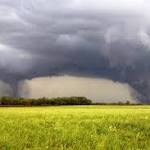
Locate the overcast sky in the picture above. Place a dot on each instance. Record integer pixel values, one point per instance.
(87, 38)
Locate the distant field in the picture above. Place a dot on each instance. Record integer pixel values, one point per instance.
(75, 128)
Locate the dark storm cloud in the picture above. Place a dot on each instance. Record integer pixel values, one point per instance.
(80, 37)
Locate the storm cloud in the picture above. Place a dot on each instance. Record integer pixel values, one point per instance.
(95, 38)
(99, 90)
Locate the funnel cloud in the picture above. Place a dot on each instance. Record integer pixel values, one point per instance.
(82, 38)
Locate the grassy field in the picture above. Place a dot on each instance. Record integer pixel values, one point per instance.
(75, 128)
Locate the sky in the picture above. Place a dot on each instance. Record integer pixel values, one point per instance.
(82, 39)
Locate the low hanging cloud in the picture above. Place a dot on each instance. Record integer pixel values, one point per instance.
(99, 90)
(94, 38)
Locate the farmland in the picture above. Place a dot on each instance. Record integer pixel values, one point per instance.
(75, 128)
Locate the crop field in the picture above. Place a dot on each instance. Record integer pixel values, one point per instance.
(75, 128)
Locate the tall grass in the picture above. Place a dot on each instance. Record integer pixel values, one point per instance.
(75, 128)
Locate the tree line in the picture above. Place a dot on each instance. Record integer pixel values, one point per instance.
(9, 101)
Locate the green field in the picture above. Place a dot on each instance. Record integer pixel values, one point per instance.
(75, 128)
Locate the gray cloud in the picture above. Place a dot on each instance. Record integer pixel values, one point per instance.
(84, 38)
(5, 89)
